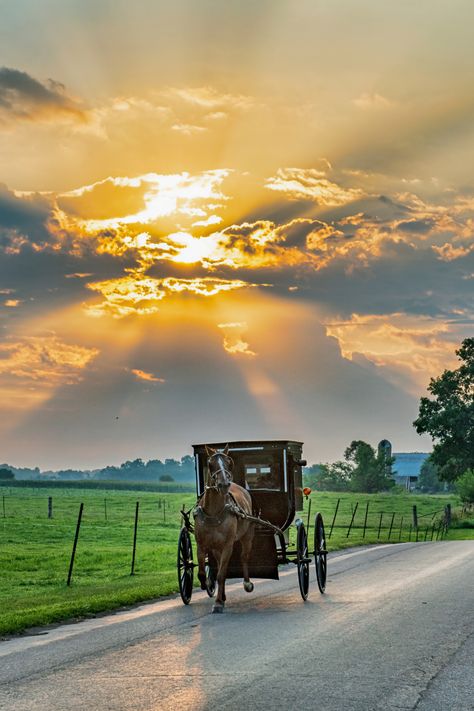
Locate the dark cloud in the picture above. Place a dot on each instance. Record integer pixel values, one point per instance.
(25, 217)
(23, 97)
(415, 226)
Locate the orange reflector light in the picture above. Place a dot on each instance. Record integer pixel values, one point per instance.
(306, 491)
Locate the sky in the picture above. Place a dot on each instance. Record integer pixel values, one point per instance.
(230, 221)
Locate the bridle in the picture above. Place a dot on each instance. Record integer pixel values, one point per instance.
(227, 472)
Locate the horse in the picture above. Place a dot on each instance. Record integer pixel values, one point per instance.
(219, 521)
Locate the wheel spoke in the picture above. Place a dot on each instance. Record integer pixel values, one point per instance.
(320, 553)
(185, 566)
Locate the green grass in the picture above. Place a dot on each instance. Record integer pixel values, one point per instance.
(35, 551)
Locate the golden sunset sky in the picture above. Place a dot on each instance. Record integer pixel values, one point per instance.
(230, 220)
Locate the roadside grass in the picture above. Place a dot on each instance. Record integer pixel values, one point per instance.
(462, 529)
(35, 551)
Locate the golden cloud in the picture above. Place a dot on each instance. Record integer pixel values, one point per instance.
(448, 252)
(137, 294)
(368, 101)
(233, 339)
(149, 377)
(46, 359)
(153, 195)
(417, 346)
(311, 184)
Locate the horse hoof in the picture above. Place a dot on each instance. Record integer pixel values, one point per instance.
(248, 587)
(217, 608)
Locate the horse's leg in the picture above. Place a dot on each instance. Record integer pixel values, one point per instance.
(201, 554)
(221, 573)
(246, 543)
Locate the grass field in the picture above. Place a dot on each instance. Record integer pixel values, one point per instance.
(35, 551)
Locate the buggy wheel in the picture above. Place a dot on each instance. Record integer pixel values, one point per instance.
(320, 552)
(211, 578)
(302, 559)
(185, 566)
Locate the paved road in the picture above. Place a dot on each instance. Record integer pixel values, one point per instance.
(394, 631)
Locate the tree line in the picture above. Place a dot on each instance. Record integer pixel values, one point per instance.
(154, 470)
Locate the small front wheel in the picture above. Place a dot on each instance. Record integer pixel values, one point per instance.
(320, 552)
(185, 566)
(302, 559)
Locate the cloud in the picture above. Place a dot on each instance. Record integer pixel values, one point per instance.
(29, 218)
(311, 184)
(144, 199)
(367, 101)
(210, 99)
(137, 294)
(149, 377)
(24, 98)
(44, 359)
(233, 339)
(410, 348)
(148, 237)
(448, 253)
(187, 129)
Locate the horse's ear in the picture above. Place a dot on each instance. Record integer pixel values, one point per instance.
(210, 451)
(226, 450)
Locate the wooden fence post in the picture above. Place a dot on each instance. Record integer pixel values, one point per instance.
(365, 518)
(391, 526)
(50, 507)
(334, 517)
(132, 572)
(352, 519)
(73, 554)
(380, 525)
(415, 517)
(447, 513)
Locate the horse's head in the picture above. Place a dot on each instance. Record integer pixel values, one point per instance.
(220, 468)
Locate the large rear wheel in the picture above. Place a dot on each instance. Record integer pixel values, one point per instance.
(302, 559)
(185, 566)
(320, 552)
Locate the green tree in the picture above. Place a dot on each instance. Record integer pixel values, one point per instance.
(429, 481)
(328, 477)
(465, 487)
(370, 471)
(449, 416)
(6, 474)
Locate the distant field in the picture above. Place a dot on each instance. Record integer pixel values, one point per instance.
(35, 551)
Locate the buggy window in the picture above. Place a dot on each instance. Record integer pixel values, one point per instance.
(262, 471)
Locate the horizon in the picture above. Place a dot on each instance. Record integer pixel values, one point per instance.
(177, 459)
(237, 221)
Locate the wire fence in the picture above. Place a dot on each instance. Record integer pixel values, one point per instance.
(80, 535)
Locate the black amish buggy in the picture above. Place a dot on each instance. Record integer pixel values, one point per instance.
(271, 472)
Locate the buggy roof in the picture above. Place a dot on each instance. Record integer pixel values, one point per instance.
(250, 444)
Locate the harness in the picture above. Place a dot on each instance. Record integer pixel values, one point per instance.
(230, 507)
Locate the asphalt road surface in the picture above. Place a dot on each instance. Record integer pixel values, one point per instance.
(395, 630)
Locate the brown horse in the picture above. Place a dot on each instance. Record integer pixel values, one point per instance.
(220, 521)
